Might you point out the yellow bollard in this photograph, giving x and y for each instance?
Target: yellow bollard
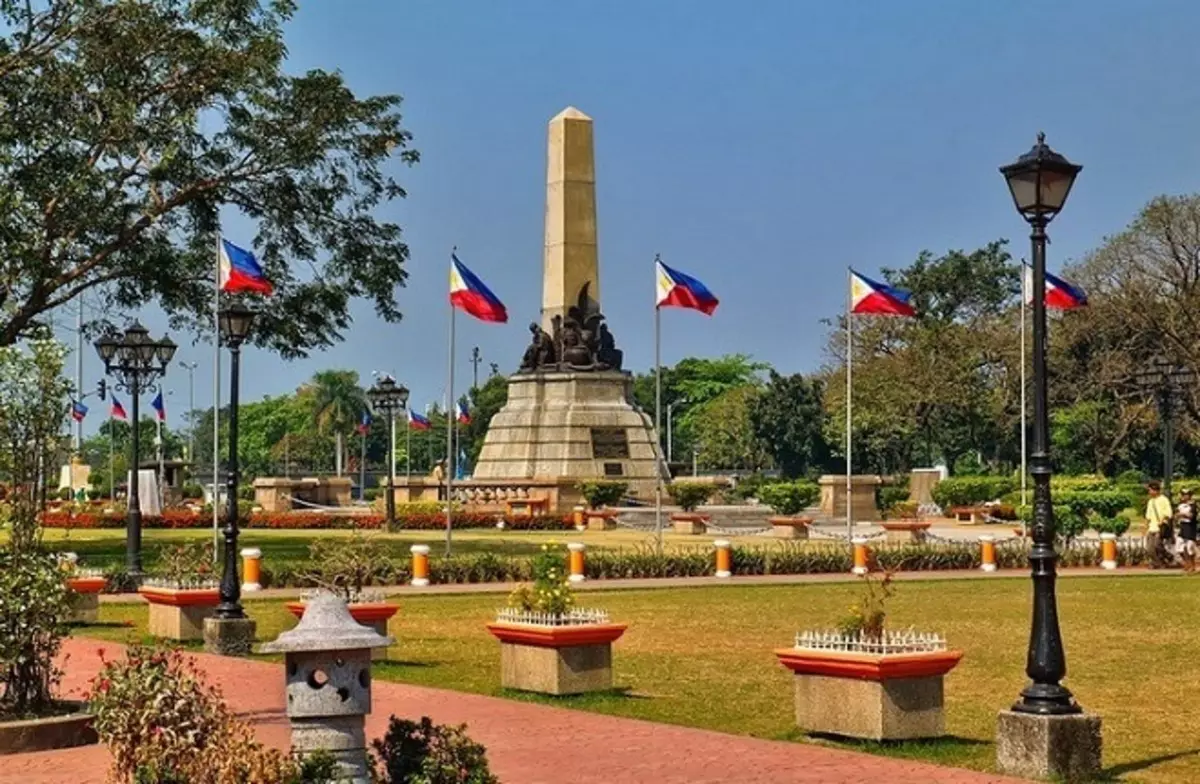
(420, 564)
(987, 553)
(861, 555)
(251, 569)
(724, 558)
(577, 518)
(1108, 551)
(576, 561)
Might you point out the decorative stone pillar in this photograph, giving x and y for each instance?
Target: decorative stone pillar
(251, 569)
(987, 553)
(327, 657)
(1108, 551)
(861, 555)
(576, 561)
(420, 564)
(724, 558)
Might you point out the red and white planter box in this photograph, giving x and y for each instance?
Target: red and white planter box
(789, 526)
(556, 654)
(367, 611)
(87, 586)
(689, 522)
(601, 519)
(177, 612)
(885, 689)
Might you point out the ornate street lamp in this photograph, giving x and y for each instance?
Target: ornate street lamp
(234, 322)
(134, 361)
(388, 397)
(1168, 383)
(1040, 181)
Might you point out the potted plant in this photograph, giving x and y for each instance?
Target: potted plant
(346, 566)
(547, 644)
(688, 496)
(600, 494)
(182, 591)
(86, 585)
(788, 500)
(864, 681)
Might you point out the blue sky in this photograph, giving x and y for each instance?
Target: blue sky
(761, 149)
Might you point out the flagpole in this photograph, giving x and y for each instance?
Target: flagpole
(112, 474)
(362, 466)
(159, 446)
(1024, 429)
(658, 485)
(849, 398)
(449, 432)
(216, 455)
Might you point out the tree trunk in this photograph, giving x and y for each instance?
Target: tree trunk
(338, 452)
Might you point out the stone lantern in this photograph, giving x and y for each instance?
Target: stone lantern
(328, 662)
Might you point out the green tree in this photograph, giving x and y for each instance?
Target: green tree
(788, 420)
(724, 433)
(128, 126)
(338, 404)
(483, 402)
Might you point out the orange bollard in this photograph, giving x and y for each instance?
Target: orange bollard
(251, 569)
(987, 553)
(420, 564)
(724, 558)
(576, 561)
(1108, 551)
(577, 517)
(861, 555)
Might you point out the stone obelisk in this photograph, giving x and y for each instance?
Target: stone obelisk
(571, 259)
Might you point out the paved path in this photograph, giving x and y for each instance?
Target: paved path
(527, 744)
(643, 583)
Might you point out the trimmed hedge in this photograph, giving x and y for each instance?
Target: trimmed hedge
(298, 521)
(970, 490)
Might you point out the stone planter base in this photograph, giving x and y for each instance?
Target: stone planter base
(229, 636)
(789, 527)
(690, 523)
(373, 614)
(56, 732)
(556, 660)
(178, 614)
(600, 521)
(86, 605)
(891, 697)
(904, 532)
(1063, 748)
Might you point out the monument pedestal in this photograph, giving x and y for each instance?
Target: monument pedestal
(862, 495)
(573, 426)
(1062, 748)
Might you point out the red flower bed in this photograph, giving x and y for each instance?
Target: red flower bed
(299, 521)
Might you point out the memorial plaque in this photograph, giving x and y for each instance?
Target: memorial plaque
(613, 469)
(609, 442)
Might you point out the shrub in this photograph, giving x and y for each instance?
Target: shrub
(185, 563)
(345, 565)
(1131, 478)
(789, 498)
(1082, 482)
(689, 495)
(551, 589)
(192, 492)
(371, 493)
(602, 492)
(903, 510)
(162, 723)
(1103, 503)
(426, 753)
(95, 494)
(970, 490)
(869, 613)
(747, 487)
(888, 496)
(1112, 525)
(35, 605)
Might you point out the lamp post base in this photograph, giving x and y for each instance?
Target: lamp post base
(1062, 748)
(229, 636)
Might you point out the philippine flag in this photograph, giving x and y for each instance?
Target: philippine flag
(468, 293)
(78, 411)
(240, 271)
(1060, 295)
(417, 421)
(464, 414)
(677, 290)
(117, 411)
(869, 296)
(160, 408)
(364, 424)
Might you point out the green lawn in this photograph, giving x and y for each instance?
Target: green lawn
(702, 657)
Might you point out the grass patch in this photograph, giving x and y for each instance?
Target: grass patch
(702, 657)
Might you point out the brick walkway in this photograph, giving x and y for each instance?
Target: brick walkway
(527, 744)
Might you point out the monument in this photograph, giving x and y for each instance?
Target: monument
(570, 413)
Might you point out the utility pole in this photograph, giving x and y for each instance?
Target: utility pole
(475, 360)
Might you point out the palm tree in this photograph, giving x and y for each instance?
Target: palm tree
(338, 403)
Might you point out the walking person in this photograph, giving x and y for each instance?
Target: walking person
(1158, 526)
(1185, 546)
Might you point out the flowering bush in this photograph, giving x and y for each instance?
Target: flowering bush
(427, 753)
(346, 565)
(164, 725)
(35, 605)
(182, 564)
(411, 520)
(551, 589)
(869, 613)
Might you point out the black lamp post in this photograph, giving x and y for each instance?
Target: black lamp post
(235, 322)
(1167, 382)
(1040, 181)
(388, 397)
(134, 360)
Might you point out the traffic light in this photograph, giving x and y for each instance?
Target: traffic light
(102, 388)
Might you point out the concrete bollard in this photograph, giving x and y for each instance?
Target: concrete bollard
(420, 564)
(987, 553)
(861, 555)
(251, 569)
(575, 559)
(327, 661)
(1108, 551)
(724, 558)
(578, 518)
